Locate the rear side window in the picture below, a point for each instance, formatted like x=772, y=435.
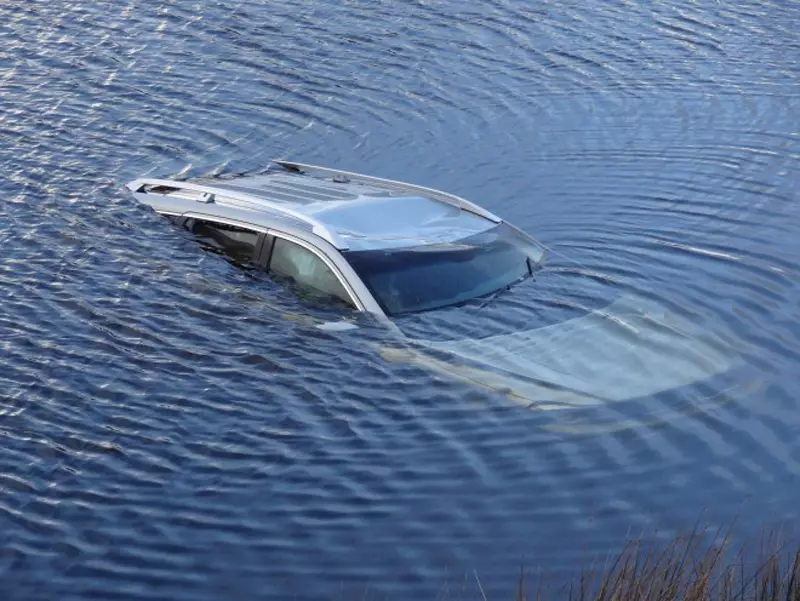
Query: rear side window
x=307, y=274
x=237, y=242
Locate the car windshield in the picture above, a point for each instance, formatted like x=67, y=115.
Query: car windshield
x=421, y=278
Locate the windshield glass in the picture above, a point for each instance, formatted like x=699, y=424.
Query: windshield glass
x=421, y=278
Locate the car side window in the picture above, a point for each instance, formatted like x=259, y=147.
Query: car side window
x=237, y=242
x=307, y=273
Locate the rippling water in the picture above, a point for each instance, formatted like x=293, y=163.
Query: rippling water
x=170, y=428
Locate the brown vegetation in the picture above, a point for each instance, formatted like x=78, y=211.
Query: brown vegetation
x=687, y=569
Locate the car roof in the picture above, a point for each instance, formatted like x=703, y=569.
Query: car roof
x=351, y=211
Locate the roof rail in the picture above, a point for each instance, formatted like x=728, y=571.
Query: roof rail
x=252, y=201
x=439, y=195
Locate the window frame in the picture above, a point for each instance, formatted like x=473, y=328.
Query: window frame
x=274, y=234
x=262, y=255
x=189, y=223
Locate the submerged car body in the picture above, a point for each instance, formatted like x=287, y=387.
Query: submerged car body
x=390, y=248
x=375, y=245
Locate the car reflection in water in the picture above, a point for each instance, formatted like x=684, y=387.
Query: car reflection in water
x=630, y=350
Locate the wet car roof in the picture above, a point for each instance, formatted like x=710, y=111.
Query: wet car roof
x=367, y=217
x=355, y=212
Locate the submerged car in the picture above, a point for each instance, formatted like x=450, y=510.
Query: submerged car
x=390, y=249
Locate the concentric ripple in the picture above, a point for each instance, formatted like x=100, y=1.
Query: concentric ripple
x=172, y=427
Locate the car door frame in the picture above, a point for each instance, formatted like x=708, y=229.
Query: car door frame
x=267, y=232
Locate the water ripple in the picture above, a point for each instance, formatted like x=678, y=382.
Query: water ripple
x=173, y=429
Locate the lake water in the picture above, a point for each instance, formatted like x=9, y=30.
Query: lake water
x=170, y=431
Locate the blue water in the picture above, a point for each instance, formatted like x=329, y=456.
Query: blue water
x=171, y=430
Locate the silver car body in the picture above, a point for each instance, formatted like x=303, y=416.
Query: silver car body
x=343, y=211
x=632, y=349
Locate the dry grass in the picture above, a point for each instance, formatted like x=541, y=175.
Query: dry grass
x=689, y=568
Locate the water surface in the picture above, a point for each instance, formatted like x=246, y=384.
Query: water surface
x=172, y=430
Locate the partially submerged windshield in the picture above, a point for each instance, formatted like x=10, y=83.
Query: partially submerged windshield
x=406, y=280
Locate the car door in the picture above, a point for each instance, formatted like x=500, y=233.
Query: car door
x=237, y=243
x=299, y=265
x=307, y=274
x=289, y=262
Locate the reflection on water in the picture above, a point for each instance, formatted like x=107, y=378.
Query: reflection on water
x=174, y=427
x=631, y=348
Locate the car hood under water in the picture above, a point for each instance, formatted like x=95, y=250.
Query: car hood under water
x=632, y=348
